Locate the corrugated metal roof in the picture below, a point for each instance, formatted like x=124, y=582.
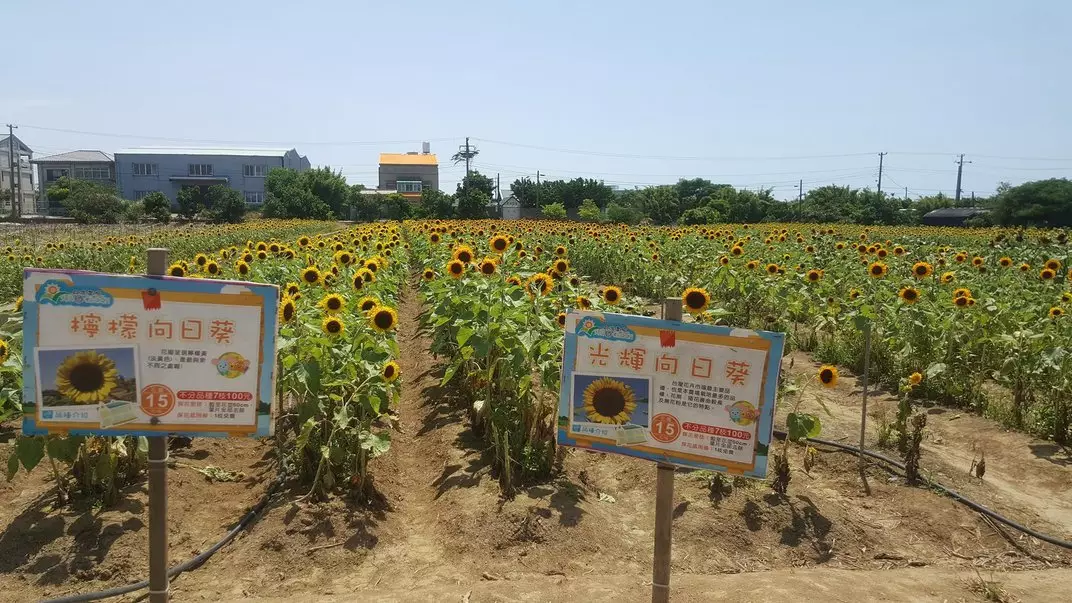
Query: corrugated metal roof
x=20, y=147
x=241, y=152
x=408, y=159
x=86, y=156
x=956, y=212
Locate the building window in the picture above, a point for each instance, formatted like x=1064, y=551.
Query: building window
x=254, y=197
x=408, y=186
x=144, y=169
x=94, y=173
x=254, y=171
x=200, y=169
x=54, y=174
x=139, y=195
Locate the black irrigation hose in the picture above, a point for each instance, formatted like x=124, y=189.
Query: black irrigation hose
x=952, y=493
x=186, y=565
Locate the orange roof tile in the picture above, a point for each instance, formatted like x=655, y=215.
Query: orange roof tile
x=407, y=159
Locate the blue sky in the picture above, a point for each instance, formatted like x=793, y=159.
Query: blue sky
x=749, y=93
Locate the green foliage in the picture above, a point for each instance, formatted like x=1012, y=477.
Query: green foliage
x=473, y=204
x=435, y=204
x=133, y=212
x=589, y=211
x=93, y=203
x=224, y=204
x=622, y=214
x=289, y=195
x=58, y=190
x=570, y=193
x=554, y=211
x=701, y=215
x=659, y=203
x=397, y=207
x=366, y=207
x=1039, y=203
x=329, y=187
x=190, y=202
x=157, y=206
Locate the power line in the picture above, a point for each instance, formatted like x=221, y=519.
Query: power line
x=668, y=157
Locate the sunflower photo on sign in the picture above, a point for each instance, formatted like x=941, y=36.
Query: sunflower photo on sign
x=80, y=379
x=611, y=405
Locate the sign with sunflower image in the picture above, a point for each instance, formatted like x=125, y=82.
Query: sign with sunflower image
x=140, y=355
x=689, y=394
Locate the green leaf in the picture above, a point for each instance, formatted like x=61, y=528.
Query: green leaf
x=303, y=436
x=312, y=376
x=12, y=465
x=376, y=443
x=935, y=369
x=30, y=451
x=803, y=425
x=463, y=335
x=104, y=467
x=449, y=373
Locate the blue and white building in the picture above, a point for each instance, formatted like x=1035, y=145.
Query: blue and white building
x=143, y=170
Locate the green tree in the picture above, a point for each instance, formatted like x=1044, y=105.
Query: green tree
x=330, y=187
x=224, y=204
x=435, y=204
x=589, y=211
x=701, y=215
x=476, y=181
x=190, y=201
x=659, y=203
x=554, y=211
x=473, y=204
x=288, y=196
x=157, y=206
x=622, y=214
x=93, y=203
x=1038, y=203
x=397, y=207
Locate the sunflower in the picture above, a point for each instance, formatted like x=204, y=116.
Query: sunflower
x=962, y=301
x=332, y=303
x=915, y=378
x=428, y=274
x=540, y=283
x=962, y=292
x=18, y=304
x=696, y=300
x=498, y=243
x=87, y=377
x=909, y=294
x=828, y=375
x=1053, y=264
x=176, y=270
x=433, y=238
x=922, y=269
x=1005, y=262
x=737, y=251
x=560, y=250
x=1056, y=312
x=1025, y=267
x=292, y=289
x=358, y=282
x=212, y=268
x=948, y=277
x=455, y=268
x=241, y=268
x=513, y=280
x=609, y=401
x=201, y=259
x=287, y=309
x=752, y=264
x=772, y=268
x=303, y=241
x=814, y=275
x=311, y=276
x=487, y=267
x=877, y=270
x=382, y=318
x=977, y=261
x=247, y=257
x=561, y=265
x=366, y=275
x=561, y=319
x=1047, y=274
x=390, y=371
x=333, y=325
x=1066, y=297
x=463, y=253
x=343, y=258
x=4, y=351
x=854, y=293
x=612, y=295
x=583, y=302
x=367, y=303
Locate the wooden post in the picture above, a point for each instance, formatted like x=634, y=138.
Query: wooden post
x=664, y=502
x=158, y=456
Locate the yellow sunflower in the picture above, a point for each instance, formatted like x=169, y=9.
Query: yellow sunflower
x=513, y=280
x=390, y=371
x=176, y=270
x=828, y=375
x=367, y=303
x=487, y=267
x=428, y=274
x=366, y=275
x=241, y=268
x=561, y=318
x=4, y=351
x=87, y=377
x=498, y=243
x=311, y=276
x=909, y=294
x=922, y=269
x=915, y=378
x=612, y=295
x=333, y=325
x=877, y=270
x=1053, y=264
x=1056, y=312
x=948, y=277
x=540, y=283
x=382, y=318
x=609, y=401
x=332, y=303
x=463, y=253
x=456, y=268
x=1047, y=274
x=696, y=300
x=814, y=275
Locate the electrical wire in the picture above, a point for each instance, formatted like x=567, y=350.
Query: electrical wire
x=666, y=157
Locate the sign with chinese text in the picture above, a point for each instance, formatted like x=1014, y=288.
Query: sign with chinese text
x=138, y=355
x=694, y=395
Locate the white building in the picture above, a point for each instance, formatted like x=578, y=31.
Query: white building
x=12, y=180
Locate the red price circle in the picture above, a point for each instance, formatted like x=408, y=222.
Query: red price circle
x=665, y=427
x=157, y=400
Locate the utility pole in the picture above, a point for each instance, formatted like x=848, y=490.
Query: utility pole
x=16, y=172
x=960, y=172
x=537, y=188
x=800, y=199
x=880, y=156
x=466, y=153
x=906, y=193
x=468, y=157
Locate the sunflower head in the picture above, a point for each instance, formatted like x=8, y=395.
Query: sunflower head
x=498, y=243
x=1056, y=312
x=287, y=309
x=487, y=267
x=561, y=319
x=814, y=275
x=962, y=301
x=612, y=295
x=1005, y=262
x=948, y=277
x=772, y=268
x=1053, y=264
x=4, y=351
x=877, y=269
x=560, y=250
x=212, y=268
x=915, y=378
x=854, y=293
x=428, y=274
x=695, y=300
x=561, y=265
x=311, y=275
x=382, y=318
x=367, y=303
x=390, y=371
x=456, y=268
x=1025, y=267
x=828, y=375
x=909, y=294
x=583, y=302
x=333, y=326
x=463, y=253
x=241, y=268
x=201, y=259
x=609, y=401
x=540, y=283
x=176, y=270
x=87, y=377
x=366, y=275
x=332, y=303
x=1047, y=274
x=513, y=280
x=922, y=269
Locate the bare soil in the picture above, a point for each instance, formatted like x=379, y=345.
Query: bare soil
x=443, y=532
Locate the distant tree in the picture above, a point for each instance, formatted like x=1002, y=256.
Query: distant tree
x=223, y=204
x=93, y=203
x=589, y=211
x=1038, y=203
x=475, y=181
x=701, y=215
x=133, y=212
x=396, y=207
x=330, y=187
x=288, y=196
x=622, y=214
x=554, y=211
x=696, y=192
x=659, y=203
x=435, y=204
x=473, y=204
x=190, y=202
x=157, y=206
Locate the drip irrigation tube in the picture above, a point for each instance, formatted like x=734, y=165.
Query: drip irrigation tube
x=186, y=565
x=952, y=493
